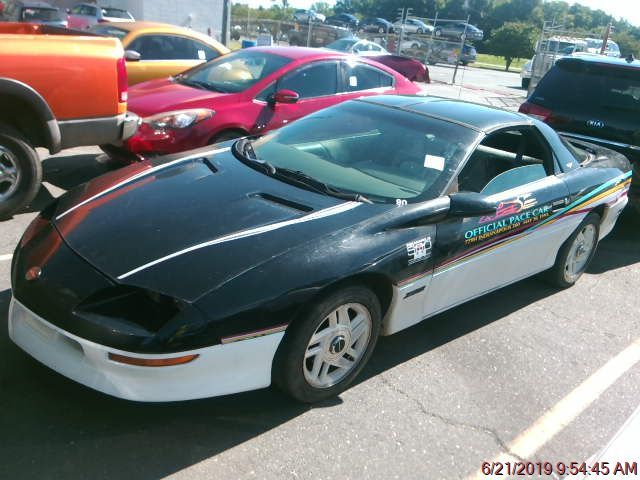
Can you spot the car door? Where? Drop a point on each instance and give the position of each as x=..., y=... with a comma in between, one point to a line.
x=164, y=55
x=516, y=169
x=316, y=85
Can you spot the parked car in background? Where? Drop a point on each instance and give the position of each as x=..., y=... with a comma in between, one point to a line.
x=249, y=92
x=457, y=29
x=159, y=50
x=343, y=20
x=35, y=12
x=409, y=67
x=305, y=16
x=413, y=25
x=449, y=52
x=321, y=35
x=84, y=15
x=376, y=25
x=593, y=98
x=283, y=259
x=74, y=95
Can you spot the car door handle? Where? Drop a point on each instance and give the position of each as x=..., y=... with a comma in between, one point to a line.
x=559, y=205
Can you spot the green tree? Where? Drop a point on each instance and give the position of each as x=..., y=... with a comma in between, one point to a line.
x=628, y=43
x=512, y=40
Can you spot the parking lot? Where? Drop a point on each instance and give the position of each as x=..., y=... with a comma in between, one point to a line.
x=495, y=376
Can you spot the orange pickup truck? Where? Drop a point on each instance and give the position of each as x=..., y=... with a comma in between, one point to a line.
x=58, y=89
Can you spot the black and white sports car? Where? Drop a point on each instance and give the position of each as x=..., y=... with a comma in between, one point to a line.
x=284, y=258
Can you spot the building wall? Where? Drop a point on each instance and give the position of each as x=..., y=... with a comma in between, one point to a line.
x=201, y=15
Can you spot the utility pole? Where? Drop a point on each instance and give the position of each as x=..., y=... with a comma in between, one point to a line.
x=606, y=39
x=403, y=14
x=463, y=39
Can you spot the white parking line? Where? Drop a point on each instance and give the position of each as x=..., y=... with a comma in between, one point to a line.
x=5, y=258
x=567, y=409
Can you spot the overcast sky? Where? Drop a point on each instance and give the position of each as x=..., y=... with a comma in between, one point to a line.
x=629, y=9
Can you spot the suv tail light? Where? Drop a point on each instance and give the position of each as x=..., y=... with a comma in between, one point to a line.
x=123, y=96
x=536, y=111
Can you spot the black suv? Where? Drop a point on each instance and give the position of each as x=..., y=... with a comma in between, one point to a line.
x=596, y=99
x=343, y=20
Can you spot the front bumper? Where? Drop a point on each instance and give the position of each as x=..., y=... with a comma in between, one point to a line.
x=219, y=370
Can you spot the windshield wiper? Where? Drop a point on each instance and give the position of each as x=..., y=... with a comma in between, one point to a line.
x=245, y=148
x=197, y=84
x=303, y=179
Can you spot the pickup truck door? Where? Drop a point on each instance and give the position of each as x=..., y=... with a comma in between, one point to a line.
x=515, y=169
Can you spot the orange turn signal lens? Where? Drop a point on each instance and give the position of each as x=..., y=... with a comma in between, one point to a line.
x=152, y=362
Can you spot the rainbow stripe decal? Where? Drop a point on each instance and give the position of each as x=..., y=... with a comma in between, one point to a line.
x=578, y=207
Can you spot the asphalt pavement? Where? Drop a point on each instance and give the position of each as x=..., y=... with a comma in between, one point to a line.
x=526, y=373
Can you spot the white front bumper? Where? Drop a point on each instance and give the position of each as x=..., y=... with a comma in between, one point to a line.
x=219, y=370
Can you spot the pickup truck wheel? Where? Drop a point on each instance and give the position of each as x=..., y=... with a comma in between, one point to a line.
x=324, y=350
x=20, y=172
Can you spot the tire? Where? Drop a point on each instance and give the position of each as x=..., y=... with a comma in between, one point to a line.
x=561, y=274
x=438, y=32
x=525, y=83
x=464, y=64
x=225, y=135
x=419, y=31
x=294, y=370
x=380, y=30
x=20, y=172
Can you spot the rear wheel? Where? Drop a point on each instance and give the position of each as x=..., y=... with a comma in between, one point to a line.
x=525, y=83
x=438, y=32
x=20, y=172
x=576, y=254
x=324, y=350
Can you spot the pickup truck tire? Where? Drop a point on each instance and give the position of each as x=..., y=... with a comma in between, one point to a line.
x=21, y=170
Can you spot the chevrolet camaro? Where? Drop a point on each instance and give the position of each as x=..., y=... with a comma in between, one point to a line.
x=281, y=259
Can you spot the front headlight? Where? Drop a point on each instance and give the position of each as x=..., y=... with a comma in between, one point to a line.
x=179, y=118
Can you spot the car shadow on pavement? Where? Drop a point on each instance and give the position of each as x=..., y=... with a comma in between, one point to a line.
x=66, y=172
x=55, y=428
x=621, y=247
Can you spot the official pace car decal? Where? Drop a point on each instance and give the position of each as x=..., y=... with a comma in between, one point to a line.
x=510, y=215
x=514, y=221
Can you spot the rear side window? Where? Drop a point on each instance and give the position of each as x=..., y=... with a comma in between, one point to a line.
x=169, y=47
x=362, y=77
x=318, y=80
x=575, y=83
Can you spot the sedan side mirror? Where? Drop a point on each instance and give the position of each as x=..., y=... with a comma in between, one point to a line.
x=132, y=56
x=285, y=96
x=470, y=204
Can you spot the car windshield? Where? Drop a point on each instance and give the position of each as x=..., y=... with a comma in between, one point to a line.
x=342, y=45
x=109, y=31
x=116, y=13
x=40, y=14
x=606, y=86
x=234, y=72
x=382, y=153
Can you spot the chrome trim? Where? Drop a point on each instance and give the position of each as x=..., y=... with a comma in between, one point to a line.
x=257, y=333
x=600, y=140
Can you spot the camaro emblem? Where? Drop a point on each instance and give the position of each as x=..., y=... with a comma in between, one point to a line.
x=33, y=273
x=595, y=123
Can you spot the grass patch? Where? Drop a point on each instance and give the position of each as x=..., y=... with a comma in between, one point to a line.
x=499, y=62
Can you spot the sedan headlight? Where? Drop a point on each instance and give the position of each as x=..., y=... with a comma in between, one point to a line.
x=179, y=118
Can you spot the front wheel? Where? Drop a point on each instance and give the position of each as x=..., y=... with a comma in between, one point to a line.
x=325, y=349
x=20, y=172
x=576, y=253
x=438, y=32
x=525, y=83
x=380, y=30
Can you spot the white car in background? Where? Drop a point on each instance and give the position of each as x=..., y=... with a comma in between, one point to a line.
x=594, y=45
x=304, y=16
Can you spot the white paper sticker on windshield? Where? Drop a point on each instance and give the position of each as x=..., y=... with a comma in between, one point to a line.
x=353, y=81
x=434, y=162
x=202, y=55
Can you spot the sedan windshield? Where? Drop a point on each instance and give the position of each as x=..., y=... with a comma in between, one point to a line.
x=342, y=45
x=234, y=72
x=384, y=154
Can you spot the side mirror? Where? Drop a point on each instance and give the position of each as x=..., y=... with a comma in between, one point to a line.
x=470, y=204
x=132, y=56
x=285, y=96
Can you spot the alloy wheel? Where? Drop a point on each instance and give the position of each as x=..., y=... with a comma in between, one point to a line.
x=580, y=253
x=337, y=345
x=9, y=173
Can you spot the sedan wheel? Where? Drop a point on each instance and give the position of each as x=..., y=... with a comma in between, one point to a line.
x=326, y=347
x=380, y=30
x=8, y=173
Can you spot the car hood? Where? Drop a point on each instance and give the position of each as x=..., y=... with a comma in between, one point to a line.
x=164, y=95
x=185, y=225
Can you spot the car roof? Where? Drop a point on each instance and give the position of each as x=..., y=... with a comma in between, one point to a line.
x=37, y=5
x=600, y=59
x=481, y=118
